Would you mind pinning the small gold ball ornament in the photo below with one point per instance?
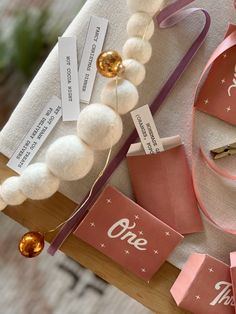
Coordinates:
(31, 244)
(109, 63)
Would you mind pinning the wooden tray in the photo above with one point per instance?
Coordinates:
(45, 215)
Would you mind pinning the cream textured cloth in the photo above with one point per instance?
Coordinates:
(175, 116)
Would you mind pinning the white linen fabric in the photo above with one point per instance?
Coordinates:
(174, 117)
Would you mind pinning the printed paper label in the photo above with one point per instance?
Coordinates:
(147, 130)
(36, 136)
(92, 48)
(69, 78)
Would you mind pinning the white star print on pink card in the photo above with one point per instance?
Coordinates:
(217, 94)
(204, 286)
(128, 234)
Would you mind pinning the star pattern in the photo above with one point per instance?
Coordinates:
(124, 253)
(197, 297)
(225, 83)
(211, 270)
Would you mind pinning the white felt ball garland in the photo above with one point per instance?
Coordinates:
(140, 24)
(99, 125)
(10, 191)
(122, 96)
(69, 158)
(138, 49)
(37, 182)
(135, 71)
(149, 6)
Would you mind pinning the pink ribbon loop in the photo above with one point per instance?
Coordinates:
(203, 207)
(169, 16)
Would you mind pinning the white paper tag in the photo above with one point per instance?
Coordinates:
(34, 139)
(147, 130)
(69, 78)
(93, 46)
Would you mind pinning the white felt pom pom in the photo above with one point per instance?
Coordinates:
(149, 6)
(123, 98)
(37, 182)
(11, 193)
(69, 158)
(140, 24)
(138, 49)
(99, 126)
(134, 71)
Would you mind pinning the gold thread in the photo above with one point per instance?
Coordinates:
(107, 159)
(146, 28)
(90, 193)
(96, 180)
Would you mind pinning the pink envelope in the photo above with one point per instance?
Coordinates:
(218, 92)
(128, 234)
(204, 286)
(233, 272)
(162, 184)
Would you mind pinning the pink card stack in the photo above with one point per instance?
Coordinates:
(217, 94)
(204, 286)
(128, 234)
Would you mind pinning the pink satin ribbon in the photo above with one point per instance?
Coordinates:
(229, 42)
(168, 17)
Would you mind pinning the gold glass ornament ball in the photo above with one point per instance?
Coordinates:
(31, 244)
(109, 63)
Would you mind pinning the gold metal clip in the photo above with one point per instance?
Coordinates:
(224, 151)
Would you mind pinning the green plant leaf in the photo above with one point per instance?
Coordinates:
(29, 39)
(4, 55)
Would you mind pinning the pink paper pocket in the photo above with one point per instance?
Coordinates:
(217, 94)
(128, 234)
(162, 184)
(204, 286)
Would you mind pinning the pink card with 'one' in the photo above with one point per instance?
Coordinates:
(204, 286)
(128, 234)
(217, 94)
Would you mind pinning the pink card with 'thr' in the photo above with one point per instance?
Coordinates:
(204, 286)
(128, 234)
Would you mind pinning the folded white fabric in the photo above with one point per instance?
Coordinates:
(175, 116)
